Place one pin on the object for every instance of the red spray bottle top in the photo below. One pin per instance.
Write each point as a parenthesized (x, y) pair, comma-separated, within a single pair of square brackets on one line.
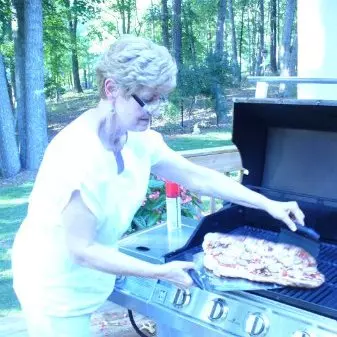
[(172, 189)]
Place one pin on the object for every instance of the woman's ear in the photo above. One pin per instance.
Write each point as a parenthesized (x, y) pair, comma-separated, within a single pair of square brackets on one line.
[(110, 89)]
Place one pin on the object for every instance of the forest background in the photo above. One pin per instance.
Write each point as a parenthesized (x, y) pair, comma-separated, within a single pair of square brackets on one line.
[(48, 49)]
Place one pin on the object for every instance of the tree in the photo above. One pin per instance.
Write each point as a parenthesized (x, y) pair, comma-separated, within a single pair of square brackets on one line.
[(6, 45), (288, 50), (125, 9), (273, 36), (286, 37), (72, 11), (261, 50), (9, 155), (165, 24), (177, 47), (177, 32), (19, 46), (36, 123), (219, 58), (241, 43), (235, 63)]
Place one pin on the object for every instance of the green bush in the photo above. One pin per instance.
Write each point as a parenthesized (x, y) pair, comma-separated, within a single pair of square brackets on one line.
[(153, 210)]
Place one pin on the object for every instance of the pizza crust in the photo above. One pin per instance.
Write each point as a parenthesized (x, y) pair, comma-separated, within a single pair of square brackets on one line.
[(227, 255)]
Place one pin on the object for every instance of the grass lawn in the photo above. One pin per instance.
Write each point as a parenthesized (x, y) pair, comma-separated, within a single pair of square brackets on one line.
[(13, 206), (216, 138)]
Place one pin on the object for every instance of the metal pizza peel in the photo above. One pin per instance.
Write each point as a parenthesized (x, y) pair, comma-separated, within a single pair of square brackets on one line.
[(205, 280), (304, 237)]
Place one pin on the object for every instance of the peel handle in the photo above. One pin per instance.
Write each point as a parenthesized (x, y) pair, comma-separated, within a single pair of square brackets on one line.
[(308, 232), (196, 278)]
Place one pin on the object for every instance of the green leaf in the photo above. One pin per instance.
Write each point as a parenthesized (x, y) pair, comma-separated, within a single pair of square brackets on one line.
[(156, 184), (140, 222), (160, 203), (153, 219)]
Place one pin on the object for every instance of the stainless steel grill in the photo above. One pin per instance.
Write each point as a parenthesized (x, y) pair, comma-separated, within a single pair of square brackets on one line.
[(289, 149)]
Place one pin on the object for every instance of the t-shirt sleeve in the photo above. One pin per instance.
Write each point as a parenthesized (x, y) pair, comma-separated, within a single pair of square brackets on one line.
[(92, 194), (63, 173), (159, 150)]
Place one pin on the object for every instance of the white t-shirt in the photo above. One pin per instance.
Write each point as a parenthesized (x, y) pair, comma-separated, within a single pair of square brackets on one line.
[(45, 275)]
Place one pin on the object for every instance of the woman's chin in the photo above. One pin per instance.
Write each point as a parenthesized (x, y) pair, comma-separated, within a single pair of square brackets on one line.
[(141, 126)]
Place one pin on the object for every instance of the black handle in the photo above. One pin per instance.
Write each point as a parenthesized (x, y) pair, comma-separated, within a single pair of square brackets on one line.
[(196, 278), (307, 231)]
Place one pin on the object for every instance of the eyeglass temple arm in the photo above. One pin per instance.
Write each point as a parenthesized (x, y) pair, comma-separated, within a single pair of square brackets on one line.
[(139, 101)]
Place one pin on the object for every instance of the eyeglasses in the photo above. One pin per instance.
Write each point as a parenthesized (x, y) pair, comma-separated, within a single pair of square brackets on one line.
[(151, 108)]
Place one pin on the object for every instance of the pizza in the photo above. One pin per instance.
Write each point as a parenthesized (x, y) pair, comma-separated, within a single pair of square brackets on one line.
[(227, 255)]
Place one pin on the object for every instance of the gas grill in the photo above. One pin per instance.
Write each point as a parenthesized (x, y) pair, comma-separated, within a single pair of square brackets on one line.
[(289, 149)]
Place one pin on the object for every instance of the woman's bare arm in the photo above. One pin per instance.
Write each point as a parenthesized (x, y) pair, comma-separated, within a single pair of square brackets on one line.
[(80, 226)]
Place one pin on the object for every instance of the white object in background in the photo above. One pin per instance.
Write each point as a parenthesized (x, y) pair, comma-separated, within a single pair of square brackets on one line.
[(317, 47)]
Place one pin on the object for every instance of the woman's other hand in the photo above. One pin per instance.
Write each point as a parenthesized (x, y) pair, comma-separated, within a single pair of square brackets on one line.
[(288, 212), (175, 272)]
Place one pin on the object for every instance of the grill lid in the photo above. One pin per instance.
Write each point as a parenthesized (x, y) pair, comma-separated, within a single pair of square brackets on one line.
[(288, 145)]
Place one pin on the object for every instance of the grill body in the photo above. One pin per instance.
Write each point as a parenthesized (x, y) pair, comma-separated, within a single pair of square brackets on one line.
[(244, 313), (289, 149)]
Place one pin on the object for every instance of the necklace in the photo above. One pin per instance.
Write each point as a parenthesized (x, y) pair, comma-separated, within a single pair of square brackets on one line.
[(119, 161), (112, 142)]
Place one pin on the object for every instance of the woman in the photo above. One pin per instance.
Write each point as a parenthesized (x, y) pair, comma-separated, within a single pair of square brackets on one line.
[(92, 179)]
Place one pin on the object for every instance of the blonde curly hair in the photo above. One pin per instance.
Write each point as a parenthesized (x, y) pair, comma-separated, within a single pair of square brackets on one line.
[(135, 62)]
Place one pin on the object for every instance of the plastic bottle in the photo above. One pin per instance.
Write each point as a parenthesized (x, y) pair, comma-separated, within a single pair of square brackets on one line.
[(173, 206)]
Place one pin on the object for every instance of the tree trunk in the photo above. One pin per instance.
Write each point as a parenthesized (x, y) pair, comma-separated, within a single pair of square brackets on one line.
[(273, 36), (85, 78), (177, 47), (177, 32), (285, 57), (121, 7), (290, 89), (190, 34), (37, 139), (235, 63), (10, 161), (286, 37), (165, 24), (253, 43), (70, 80), (181, 113), (128, 28), (72, 26), (249, 42), (220, 107), (278, 33), (19, 43), (9, 87), (219, 37), (260, 58), (244, 5), (6, 36), (293, 57), (74, 57)]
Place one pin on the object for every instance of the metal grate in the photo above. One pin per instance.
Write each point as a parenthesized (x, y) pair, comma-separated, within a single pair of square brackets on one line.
[(322, 299)]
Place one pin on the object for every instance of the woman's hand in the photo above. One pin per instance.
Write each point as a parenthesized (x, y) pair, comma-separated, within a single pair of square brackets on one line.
[(175, 273), (288, 212)]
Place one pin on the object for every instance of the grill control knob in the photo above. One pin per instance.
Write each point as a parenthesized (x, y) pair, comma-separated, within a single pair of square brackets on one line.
[(182, 298), (256, 324), (219, 309), (302, 334)]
